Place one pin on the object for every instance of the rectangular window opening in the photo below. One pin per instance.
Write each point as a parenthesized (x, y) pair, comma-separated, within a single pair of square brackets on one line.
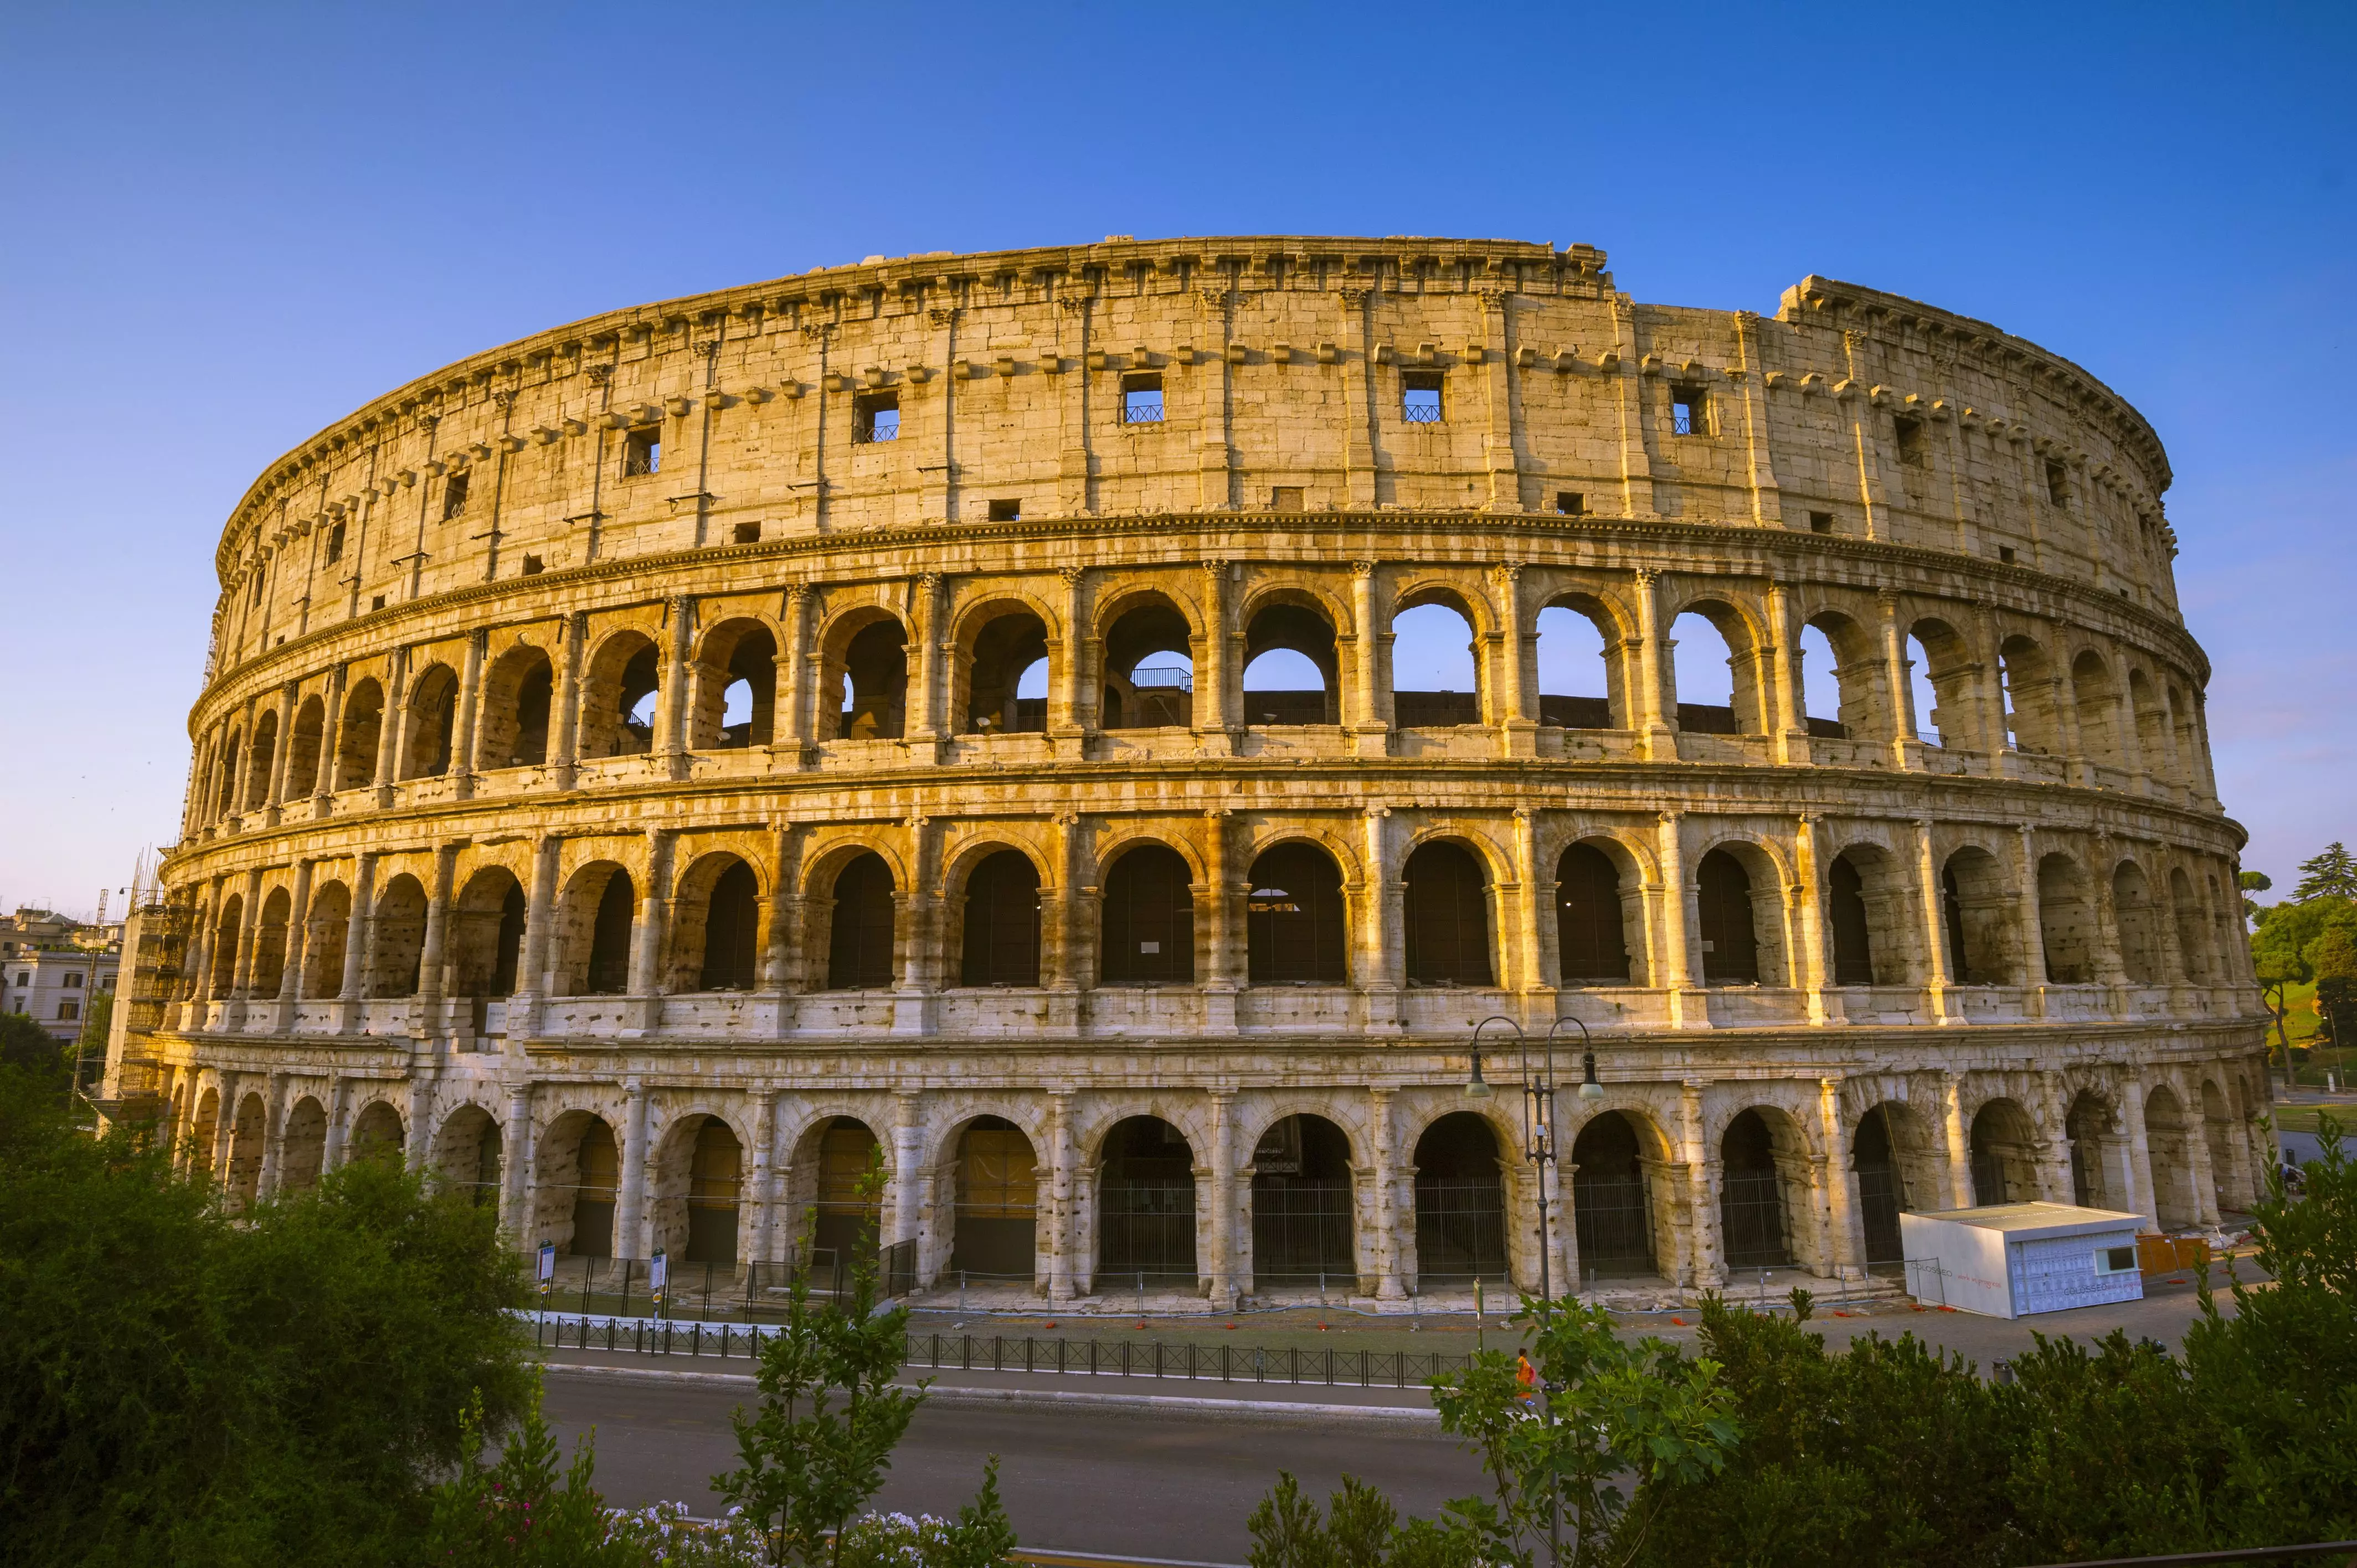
[(2004, 553), (1821, 522), (533, 566), (1689, 411), (1006, 510), (1284, 497), (335, 544), (876, 416), (1570, 503), (1911, 450), (642, 451), (2115, 1260), (1141, 398), (454, 496), (748, 533), (377, 602), (2058, 484), (1420, 397)]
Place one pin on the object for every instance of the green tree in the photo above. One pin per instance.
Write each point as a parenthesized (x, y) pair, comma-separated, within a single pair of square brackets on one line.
[(2331, 875), (517, 1512), (2332, 960), (33, 1052), (2280, 953), (175, 1387), (2251, 882)]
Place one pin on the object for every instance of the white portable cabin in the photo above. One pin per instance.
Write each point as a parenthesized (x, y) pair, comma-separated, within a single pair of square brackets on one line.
[(2010, 1260)]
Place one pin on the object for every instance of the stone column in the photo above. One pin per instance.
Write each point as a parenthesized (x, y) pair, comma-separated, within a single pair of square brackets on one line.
[(924, 935), (284, 747), (1787, 723), (927, 728), (1939, 1005), (392, 725), (1905, 744), (1688, 1006), (906, 1218), (1656, 725), (1519, 728), (298, 928), (648, 939), (631, 1203), (670, 702), (534, 979), (790, 723), (224, 1127), (2033, 931), (1383, 1175), (1380, 955), (1215, 715), (515, 1169), (1368, 714), (331, 1147), (466, 734), (1960, 1148), (2141, 1195), (1533, 967), (1845, 1215), (1809, 926), (249, 923), (273, 1141), (762, 1220), (1221, 1158), (565, 710), (1068, 704), (1702, 1190), (357, 928), (1061, 1226), (324, 781), (1222, 962), (431, 979)]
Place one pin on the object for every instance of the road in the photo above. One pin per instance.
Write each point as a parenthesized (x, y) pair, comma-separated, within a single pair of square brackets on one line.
[(1128, 1482)]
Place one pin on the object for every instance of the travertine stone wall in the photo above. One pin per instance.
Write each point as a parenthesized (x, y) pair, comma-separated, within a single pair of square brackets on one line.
[(2016, 934)]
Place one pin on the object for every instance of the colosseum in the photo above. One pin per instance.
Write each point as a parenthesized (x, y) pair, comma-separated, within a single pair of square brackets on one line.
[(942, 712)]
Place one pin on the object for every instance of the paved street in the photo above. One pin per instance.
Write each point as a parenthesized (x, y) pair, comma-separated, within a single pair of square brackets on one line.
[(1139, 1483)]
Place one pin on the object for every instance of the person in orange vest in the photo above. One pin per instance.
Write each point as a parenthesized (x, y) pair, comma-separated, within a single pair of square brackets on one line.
[(1528, 1377)]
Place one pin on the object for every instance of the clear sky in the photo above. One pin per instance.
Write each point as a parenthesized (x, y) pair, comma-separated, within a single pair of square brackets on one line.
[(223, 226)]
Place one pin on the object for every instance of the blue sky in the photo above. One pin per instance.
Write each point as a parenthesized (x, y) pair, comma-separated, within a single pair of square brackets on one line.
[(225, 226)]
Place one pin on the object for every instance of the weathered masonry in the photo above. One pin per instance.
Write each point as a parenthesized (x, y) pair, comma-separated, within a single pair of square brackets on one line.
[(948, 706)]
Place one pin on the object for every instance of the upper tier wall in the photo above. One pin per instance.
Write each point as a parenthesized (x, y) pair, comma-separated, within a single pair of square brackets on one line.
[(1282, 364)]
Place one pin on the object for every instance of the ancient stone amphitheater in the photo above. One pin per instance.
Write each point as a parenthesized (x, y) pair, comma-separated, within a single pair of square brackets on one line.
[(944, 711)]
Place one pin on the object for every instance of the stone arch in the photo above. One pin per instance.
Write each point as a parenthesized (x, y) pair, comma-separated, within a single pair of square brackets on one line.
[(249, 1133), (1303, 1202), (839, 1211), (1146, 915), (225, 785), (2004, 1153), (863, 675), (1867, 908), (378, 1132), (1290, 619), (618, 676), (741, 651), (1562, 657), (578, 1185), (519, 695), (1445, 914), (323, 941), (2094, 699), (1145, 1203), (2093, 1127), (1620, 1201), (2066, 920), (262, 751), (359, 734), (270, 943), (858, 916), (303, 1146), (2152, 728), (996, 897), (1747, 709), (1461, 1200), (2193, 955), (485, 938), (697, 1196), (303, 747), (432, 706), (2026, 681), (1951, 669), (994, 1186), (1976, 917), (1297, 929), (2219, 1131), (999, 642), (2138, 923), (204, 1131), (1898, 1167), (2169, 1135), (717, 927), (1150, 656), (396, 937), (1738, 913), (1863, 708), (1765, 1202), (1429, 603), (467, 1153), (595, 915), (1597, 906)]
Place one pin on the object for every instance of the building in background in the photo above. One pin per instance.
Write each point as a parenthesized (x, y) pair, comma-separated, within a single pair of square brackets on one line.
[(51, 965)]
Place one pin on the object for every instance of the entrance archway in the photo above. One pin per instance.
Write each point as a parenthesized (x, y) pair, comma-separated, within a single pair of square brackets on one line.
[(1145, 1203), (1460, 1202), (1301, 1199), (2005, 1154), (1751, 1197), (716, 1185), (1611, 1214), (994, 1232)]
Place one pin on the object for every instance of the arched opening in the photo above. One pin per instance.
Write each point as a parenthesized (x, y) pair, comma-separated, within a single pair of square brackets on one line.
[(859, 927), (1846, 917), (1301, 1204), (1436, 679), (2096, 697), (2192, 948), (871, 675), (1294, 925), (1881, 1192), (1713, 672), (594, 928), (433, 713), (1460, 1202), (378, 1133), (716, 938), (303, 748), (618, 691), (997, 1196), (1149, 669), (1590, 918), (1611, 1207), (305, 1148), (2167, 1137), (246, 1137), (585, 1174), (1001, 664), (2139, 926), (2004, 1155), (1445, 916), (848, 1208), (2092, 1127), (2218, 1130), (323, 941), (397, 938), (198, 1153), (1146, 1204), (517, 692), (466, 1155), (269, 944), (1291, 674), (716, 1186), (737, 688), (2027, 677), (1943, 670), (1976, 914), (263, 753), (225, 786), (1730, 945), (2066, 920), (1751, 1215), (1149, 919), (1842, 701), (1002, 922), (1579, 686), (486, 940), (227, 928), (359, 736)]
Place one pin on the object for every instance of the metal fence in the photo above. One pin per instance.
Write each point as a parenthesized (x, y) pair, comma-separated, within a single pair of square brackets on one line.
[(1326, 1365)]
